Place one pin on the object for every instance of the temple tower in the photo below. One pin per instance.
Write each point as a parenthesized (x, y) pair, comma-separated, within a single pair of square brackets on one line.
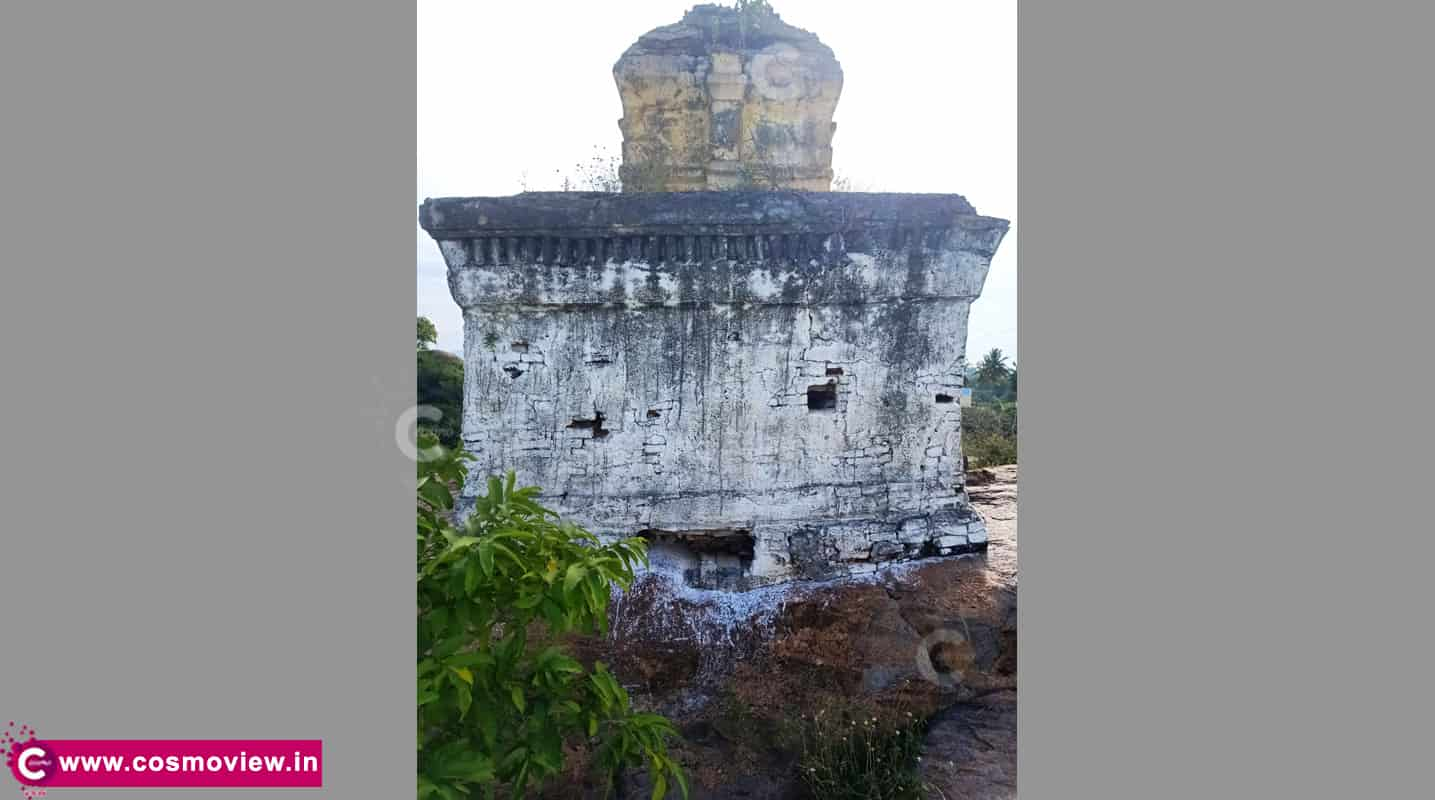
[(728, 99), (762, 381)]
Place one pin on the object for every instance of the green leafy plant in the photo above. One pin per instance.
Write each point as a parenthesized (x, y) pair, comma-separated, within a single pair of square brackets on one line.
[(497, 699), (850, 756), (440, 388), (989, 434), (990, 450)]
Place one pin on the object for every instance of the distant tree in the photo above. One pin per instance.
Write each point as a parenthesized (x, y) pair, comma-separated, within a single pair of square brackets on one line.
[(993, 371), (989, 427), (440, 386), (428, 334), (991, 379)]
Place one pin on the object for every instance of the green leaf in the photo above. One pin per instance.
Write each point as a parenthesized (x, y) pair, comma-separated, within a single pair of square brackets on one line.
[(565, 664), (436, 494), (514, 533), (488, 728), (464, 674), (515, 692), (515, 757), (520, 781), (575, 574), (450, 645), (553, 614), (472, 573), (549, 750), (465, 700), (470, 767), (597, 602), (678, 775), (509, 553), (461, 542), (484, 774), (438, 621), (603, 684)]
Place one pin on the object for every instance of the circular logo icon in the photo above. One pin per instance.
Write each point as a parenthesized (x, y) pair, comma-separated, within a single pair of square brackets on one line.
[(33, 763)]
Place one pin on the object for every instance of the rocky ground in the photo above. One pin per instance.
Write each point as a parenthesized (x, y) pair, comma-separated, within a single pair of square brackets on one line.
[(743, 675), (971, 746)]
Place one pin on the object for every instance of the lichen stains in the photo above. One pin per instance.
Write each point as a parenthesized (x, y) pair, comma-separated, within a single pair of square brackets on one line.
[(725, 362)]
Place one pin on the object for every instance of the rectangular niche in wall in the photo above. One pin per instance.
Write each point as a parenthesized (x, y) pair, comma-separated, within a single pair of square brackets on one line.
[(822, 397), (706, 559)]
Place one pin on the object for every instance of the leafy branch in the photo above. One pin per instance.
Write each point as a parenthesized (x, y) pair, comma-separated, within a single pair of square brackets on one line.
[(494, 708)]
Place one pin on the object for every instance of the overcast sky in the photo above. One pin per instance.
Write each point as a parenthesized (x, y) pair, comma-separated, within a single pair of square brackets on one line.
[(515, 91)]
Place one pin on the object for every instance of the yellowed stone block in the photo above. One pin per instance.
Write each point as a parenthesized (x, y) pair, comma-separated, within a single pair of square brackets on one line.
[(727, 100)]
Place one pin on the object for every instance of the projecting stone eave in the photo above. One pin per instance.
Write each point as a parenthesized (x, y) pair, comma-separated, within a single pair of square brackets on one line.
[(576, 249), (728, 213)]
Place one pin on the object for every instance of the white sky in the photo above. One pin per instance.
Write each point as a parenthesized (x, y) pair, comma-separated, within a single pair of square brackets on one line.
[(928, 105)]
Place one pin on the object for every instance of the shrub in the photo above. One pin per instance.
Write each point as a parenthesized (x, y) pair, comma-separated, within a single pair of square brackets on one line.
[(495, 709), (855, 757), (440, 387), (427, 333), (990, 450), (989, 434)]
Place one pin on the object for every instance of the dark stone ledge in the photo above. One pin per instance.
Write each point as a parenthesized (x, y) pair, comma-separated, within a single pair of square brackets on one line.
[(729, 213)]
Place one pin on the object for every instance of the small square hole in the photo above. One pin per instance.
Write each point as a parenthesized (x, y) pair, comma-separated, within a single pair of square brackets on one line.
[(822, 397)]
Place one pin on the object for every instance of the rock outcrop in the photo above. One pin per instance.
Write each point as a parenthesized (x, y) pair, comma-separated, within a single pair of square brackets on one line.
[(936, 639), (727, 99)]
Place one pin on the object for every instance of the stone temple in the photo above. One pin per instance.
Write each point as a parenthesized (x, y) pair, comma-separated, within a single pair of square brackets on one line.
[(763, 383)]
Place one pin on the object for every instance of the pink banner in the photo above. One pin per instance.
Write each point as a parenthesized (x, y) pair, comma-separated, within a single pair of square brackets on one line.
[(156, 763)]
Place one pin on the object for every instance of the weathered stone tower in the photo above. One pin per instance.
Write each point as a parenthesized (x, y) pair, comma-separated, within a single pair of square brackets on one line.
[(764, 383), (728, 100)]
